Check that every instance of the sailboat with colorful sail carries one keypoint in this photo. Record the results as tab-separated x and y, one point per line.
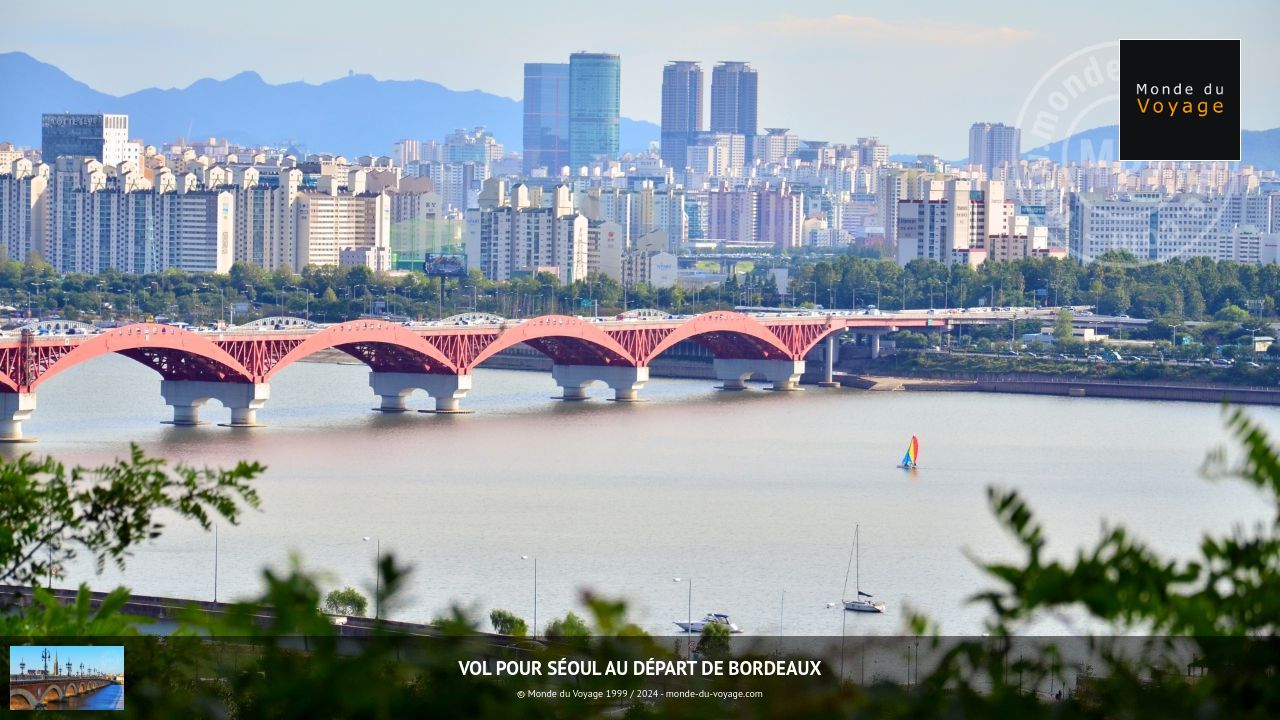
913	452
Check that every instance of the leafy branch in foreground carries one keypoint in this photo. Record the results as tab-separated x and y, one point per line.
49	515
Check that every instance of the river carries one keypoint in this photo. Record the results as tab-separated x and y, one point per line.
753	495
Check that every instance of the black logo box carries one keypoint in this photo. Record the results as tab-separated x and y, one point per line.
1188	66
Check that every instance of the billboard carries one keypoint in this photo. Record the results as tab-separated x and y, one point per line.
445	265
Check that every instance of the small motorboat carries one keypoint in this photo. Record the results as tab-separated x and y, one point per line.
708	619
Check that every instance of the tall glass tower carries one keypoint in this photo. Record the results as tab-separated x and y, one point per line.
681	110
595	82
734	101
546	116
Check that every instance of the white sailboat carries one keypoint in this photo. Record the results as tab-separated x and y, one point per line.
861	601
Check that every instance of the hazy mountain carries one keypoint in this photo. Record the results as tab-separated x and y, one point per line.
1259	148
353	115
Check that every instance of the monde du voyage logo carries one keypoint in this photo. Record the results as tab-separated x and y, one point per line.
1180	99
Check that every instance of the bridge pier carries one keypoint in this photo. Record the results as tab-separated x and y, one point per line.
188	396
734	372
875	345
626	381
394	388
829	362
14	409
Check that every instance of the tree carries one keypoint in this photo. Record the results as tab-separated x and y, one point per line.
1063	325
1232	313
571	626
49	515
714	641
506	622
347	601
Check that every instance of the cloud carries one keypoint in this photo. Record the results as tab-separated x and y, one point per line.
870	30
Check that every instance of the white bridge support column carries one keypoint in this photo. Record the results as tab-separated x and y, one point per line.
734	373
187	396
875	345
394	388
15	408
829	362
626	381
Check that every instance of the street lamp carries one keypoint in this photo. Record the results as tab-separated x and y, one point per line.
377	588
689	627
535	592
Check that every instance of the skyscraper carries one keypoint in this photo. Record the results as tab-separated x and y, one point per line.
734	88
991	145
595	81
681	110
546	116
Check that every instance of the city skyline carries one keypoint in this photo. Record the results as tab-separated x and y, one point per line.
815	61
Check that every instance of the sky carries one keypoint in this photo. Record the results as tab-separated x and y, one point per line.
106	658
915	74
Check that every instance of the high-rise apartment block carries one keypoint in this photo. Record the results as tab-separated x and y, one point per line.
955	221
734	101
595	81
681	111
102	137
546	117
764	215
508	233
994	145
1159	226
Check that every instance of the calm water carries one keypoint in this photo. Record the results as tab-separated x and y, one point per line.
753	495
110	697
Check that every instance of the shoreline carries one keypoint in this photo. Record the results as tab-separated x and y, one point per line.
1022	384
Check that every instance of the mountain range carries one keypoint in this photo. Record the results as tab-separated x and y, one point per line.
353	115
345	116
1259	148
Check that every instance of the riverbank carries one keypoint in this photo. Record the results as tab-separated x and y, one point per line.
895	376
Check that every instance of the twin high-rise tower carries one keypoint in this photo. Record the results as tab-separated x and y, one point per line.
734	102
571	111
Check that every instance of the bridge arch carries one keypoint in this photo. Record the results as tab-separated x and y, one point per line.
20	699
382	345
71	690
175	353
728	335
52	693
566	340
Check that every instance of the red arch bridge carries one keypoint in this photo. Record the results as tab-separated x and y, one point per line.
235	365
31	691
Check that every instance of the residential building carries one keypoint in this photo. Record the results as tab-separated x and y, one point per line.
681	110
734	101
22	208
994	145
507	234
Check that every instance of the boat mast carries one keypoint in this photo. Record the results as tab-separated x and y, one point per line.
857	578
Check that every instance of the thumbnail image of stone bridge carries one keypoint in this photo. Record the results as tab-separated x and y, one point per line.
235	365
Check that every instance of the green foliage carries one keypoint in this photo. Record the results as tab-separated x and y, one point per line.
506	622
714	641
570	626
347	601
1063	325
1232	314
50	515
